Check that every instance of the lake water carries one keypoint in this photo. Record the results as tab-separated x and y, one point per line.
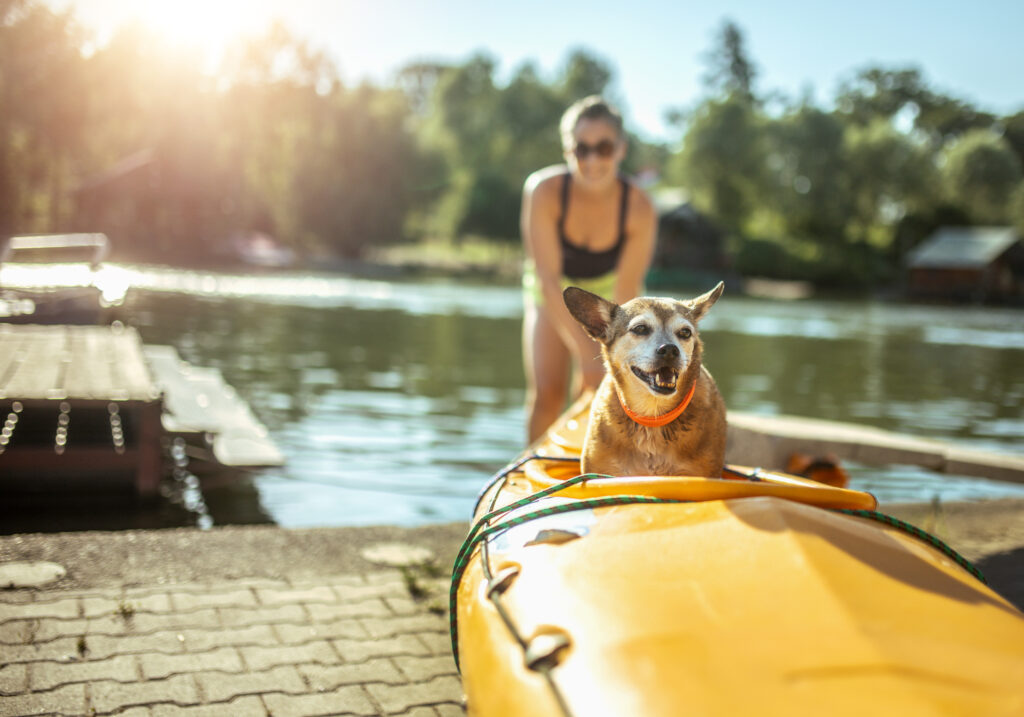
395	401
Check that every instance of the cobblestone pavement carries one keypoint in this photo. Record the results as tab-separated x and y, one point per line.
347	644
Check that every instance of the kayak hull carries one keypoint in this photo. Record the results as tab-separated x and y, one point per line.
720	606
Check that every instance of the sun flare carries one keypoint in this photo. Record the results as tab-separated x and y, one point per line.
205	25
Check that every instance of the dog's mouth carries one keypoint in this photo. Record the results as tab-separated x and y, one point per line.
662	380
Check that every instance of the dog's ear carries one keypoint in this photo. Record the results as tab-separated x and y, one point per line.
592	311
699	307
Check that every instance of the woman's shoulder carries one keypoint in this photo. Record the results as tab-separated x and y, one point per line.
544	181
638	196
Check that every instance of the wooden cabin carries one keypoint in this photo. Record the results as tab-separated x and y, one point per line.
975	264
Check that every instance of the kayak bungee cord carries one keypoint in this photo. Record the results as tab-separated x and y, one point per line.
483	529
920	535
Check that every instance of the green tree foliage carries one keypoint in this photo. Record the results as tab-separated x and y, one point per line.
492	137
41	115
136	140
981	172
838	195
730	70
722	160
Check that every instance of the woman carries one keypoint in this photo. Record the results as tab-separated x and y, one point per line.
583	225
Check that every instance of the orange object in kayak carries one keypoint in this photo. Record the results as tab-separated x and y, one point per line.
757	593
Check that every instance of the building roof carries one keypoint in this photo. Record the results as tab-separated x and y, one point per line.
962	248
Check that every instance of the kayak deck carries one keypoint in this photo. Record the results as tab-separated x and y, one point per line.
659	596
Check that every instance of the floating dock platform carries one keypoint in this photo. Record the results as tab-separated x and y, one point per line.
83	408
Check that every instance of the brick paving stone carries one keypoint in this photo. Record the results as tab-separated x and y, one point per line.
62	608
262	658
364	608
355	593
251	706
94	606
135	712
382	577
40	631
219	687
322	677
13	678
279	596
420	669
399	698
109	696
100	646
347	580
204	640
449	710
18	632
113	603
398	625
155	622
69	700
438	643
234	617
360	650
291	634
422	711
346	701
156	666
17	597
228	598
403	606
47	675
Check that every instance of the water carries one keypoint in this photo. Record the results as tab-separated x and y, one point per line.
394	401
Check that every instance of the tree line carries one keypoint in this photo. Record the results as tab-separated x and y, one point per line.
172	160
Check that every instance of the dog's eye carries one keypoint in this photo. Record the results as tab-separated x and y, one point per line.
684	333
640	329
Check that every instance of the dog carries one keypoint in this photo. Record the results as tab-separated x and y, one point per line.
657	411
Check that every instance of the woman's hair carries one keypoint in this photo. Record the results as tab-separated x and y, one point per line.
592	107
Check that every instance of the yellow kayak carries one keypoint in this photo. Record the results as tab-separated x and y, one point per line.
757	593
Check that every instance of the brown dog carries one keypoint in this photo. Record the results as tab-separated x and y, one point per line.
657	411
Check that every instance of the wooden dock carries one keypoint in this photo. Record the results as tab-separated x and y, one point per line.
80	409
90	407
203	408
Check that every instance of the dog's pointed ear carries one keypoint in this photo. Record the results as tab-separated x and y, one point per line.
592	311
699	306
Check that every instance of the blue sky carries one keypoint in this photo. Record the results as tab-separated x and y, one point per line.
656	47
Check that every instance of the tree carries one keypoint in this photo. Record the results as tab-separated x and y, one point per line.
877	92
584	74
722	160
730	70
809	168
42	115
980	173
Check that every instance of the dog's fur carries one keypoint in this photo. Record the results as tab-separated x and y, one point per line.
657	339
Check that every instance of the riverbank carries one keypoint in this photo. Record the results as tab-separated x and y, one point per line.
269	621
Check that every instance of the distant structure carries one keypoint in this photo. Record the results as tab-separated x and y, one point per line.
977	264
690	248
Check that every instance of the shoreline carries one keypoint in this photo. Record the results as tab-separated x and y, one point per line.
989	533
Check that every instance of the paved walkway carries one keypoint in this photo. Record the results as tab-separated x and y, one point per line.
265	621
367	642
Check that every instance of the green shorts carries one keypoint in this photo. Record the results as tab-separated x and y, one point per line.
603	285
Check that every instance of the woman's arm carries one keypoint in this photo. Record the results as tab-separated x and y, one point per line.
539	226
635	260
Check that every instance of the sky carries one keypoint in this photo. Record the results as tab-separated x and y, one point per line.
656	48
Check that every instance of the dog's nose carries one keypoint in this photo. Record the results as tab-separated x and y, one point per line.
668	351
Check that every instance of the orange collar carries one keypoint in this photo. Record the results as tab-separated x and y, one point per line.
663	419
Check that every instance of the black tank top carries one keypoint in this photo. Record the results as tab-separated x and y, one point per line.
581	263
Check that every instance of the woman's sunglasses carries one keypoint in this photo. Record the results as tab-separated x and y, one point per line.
603	149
